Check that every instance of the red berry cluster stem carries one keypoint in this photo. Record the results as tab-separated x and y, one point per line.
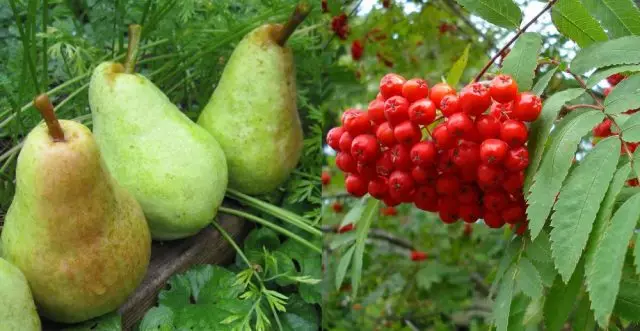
470	166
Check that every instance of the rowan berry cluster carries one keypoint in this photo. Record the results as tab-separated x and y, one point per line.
466	164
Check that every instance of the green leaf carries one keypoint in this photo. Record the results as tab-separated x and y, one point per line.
620	17
625	96
355	213
583	317
636	253
541	128
578	204
310	265
628	301
604	273
157	319
560	300
573	21
555	165
502	305
512	249
540	249
343	265
212	282
504	13
299	316
428	275
623	50
369	214
528	279
522	60
603	73
543	81
631	128
108	322
453	78
547	272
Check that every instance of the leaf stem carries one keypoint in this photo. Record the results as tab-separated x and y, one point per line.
135	30
583	105
510	42
45	107
299	14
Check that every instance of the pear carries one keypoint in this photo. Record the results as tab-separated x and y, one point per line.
17	310
80	239
174	168
252	112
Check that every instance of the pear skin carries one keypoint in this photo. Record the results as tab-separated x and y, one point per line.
80	239
252	113
174	168
17	310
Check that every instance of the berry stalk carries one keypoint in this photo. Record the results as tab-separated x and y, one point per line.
135	30
299	14
45	107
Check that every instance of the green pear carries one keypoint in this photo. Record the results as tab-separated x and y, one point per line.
252	112
80	239
174	168
17	310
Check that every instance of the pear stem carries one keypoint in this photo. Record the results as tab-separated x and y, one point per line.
45	107
135	30
299	14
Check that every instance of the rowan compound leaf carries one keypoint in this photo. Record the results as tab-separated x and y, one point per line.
583	317
540	249
604	274
578	204
555	165
502	305
603	73
369	214
620	17
504	13
628	301
624	97
343	265
522	60
543	81
528	279
631	128
560	299
453	78
541	128
619	51
572	20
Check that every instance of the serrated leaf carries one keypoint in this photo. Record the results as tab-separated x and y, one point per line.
625	96
157	319
547	272
504	13
534	313
631	128
623	50
620	17
528	279
543	81
628	301
541	128
578	204
510	252
605	272
502	305
343	265
454	75
107	322
522	60
540	249
355	213
572	20
583	317
555	165
428	275
369	214
560	299
603	73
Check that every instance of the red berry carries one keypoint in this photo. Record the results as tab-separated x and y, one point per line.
388	211
396	110
601	130
418	255
422	112
493	220
346	228
423	153
345	142
470	213
521	229
513	182
384	165
513	214
514	133
415	89
356	185
426	198
376	111
340	26
378	187
489	176
442	137
466	155
493	151
447	185
459	125
364	148
424	175
356	50
400	157
385	135
450	105
469	194
474	99
366	170
391	84
615	79
390	201
333	138
527	107
407	133
326	178
501	111
438	92
445	163
488	127
337	207
448	210
469	174
503	88
356	122
346	162
495	200
517	159
400	184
